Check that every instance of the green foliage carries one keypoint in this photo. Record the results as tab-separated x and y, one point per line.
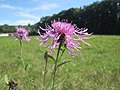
95	68
10	29
7	29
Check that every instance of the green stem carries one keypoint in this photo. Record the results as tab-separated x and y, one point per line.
21	53
55	66
45	72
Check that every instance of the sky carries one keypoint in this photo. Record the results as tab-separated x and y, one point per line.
22	12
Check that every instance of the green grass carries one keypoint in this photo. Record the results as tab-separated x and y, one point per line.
95	68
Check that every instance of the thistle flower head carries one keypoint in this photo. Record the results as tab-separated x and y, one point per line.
62	33
21	33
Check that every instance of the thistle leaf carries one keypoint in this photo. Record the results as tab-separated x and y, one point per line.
6	79
62	63
51	57
27	66
63	50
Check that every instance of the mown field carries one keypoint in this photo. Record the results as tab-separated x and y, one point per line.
95	68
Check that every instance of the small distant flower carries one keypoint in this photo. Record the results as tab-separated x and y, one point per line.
65	33
21	33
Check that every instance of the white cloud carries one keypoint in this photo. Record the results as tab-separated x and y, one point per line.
24	22
27	15
18	22
49	6
7	6
4	22
45	6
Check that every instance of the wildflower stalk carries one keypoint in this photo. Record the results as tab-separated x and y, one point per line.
55	66
45	72
20	39
45	69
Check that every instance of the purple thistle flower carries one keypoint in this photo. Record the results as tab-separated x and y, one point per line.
21	33
66	33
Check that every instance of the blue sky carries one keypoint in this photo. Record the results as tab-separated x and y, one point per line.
22	12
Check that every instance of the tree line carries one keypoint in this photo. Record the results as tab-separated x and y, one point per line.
10	29
101	17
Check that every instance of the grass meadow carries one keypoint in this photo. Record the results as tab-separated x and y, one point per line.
96	67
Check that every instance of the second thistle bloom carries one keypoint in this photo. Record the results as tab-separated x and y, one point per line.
63	33
21	33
